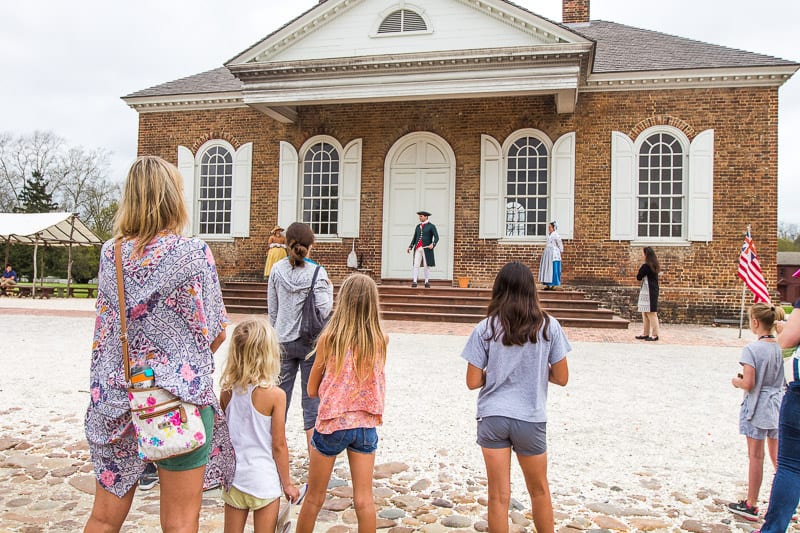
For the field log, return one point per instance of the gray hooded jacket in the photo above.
(287, 290)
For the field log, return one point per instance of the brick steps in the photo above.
(441, 303)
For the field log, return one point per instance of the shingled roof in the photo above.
(619, 49)
(219, 80)
(623, 48)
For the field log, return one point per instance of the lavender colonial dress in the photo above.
(175, 311)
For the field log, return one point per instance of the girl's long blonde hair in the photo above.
(354, 326)
(152, 202)
(254, 356)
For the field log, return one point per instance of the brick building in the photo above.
(358, 113)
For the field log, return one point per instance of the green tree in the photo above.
(34, 197)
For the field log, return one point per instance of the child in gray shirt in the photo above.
(763, 382)
(512, 355)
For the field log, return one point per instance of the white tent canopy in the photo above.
(47, 229)
(52, 229)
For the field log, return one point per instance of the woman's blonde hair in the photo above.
(355, 327)
(767, 314)
(254, 356)
(152, 201)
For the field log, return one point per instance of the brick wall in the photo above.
(698, 281)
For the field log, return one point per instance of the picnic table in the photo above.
(26, 290)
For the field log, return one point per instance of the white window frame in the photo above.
(698, 188)
(189, 165)
(290, 185)
(313, 141)
(560, 185)
(419, 10)
(683, 140)
(509, 142)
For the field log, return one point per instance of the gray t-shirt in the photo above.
(761, 405)
(516, 376)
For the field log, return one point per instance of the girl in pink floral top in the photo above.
(349, 379)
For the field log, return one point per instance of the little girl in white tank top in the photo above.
(256, 411)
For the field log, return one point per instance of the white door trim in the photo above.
(397, 148)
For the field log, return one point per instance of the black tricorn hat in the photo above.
(423, 213)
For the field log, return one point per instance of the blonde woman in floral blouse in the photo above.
(176, 320)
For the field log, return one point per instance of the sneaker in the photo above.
(148, 479)
(303, 491)
(284, 525)
(427, 285)
(745, 511)
(413, 284)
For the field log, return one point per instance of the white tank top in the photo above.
(251, 434)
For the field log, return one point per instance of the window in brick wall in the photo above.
(320, 193)
(662, 186)
(215, 191)
(661, 191)
(526, 182)
(526, 188)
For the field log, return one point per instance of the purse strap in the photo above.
(123, 337)
(313, 282)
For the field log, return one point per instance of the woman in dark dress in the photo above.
(648, 295)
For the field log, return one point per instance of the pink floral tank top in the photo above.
(346, 402)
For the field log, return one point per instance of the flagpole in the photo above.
(741, 310)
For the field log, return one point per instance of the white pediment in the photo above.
(349, 28)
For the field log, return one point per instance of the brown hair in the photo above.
(651, 259)
(515, 315)
(152, 201)
(299, 238)
(767, 314)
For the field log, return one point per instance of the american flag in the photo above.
(750, 270)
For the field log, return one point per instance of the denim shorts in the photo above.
(526, 438)
(361, 440)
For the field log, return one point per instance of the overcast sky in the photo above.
(65, 65)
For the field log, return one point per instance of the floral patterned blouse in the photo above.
(347, 402)
(174, 311)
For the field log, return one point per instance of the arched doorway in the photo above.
(419, 173)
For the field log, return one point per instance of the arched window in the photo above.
(320, 194)
(215, 191)
(526, 188)
(403, 21)
(661, 190)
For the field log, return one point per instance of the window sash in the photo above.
(215, 192)
(661, 188)
(320, 188)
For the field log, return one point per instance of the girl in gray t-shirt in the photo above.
(763, 382)
(512, 355)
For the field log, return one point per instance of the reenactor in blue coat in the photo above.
(422, 244)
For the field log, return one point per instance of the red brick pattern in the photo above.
(698, 280)
(574, 11)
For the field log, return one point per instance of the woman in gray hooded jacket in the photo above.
(289, 285)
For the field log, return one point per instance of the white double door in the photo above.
(419, 175)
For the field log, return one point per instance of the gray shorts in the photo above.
(749, 430)
(526, 438)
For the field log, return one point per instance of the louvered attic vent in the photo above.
(403, 21)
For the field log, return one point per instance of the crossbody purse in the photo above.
(165, 425)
